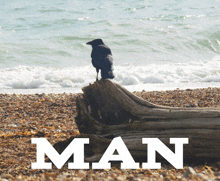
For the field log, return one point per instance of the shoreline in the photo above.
(131, 88)
(52, 116)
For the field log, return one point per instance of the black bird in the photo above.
(102, 59)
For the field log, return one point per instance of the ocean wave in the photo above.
(170, 43)
(27, 77)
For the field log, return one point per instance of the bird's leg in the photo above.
(97, 70)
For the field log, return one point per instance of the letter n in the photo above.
(44, 147)
(154, 144)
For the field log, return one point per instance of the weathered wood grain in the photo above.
(107, 110)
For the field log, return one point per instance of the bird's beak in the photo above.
(89, 43)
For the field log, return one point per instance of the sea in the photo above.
(156, 44)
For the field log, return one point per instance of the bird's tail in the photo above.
(107, 74)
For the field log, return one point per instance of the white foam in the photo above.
(72, 79)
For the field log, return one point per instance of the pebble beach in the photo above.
(23, 116)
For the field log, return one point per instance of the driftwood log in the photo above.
(107, 110)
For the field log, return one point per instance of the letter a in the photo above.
(123, 155)
(154, 144)
(44, 147)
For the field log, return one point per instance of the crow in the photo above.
(102, 59)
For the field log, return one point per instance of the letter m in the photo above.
(44, 147)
